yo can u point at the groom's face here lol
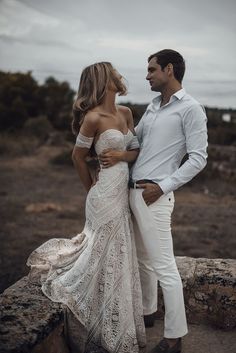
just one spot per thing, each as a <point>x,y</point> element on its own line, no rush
<point>157,77</point>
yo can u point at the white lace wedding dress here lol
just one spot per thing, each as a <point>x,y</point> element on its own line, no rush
<point>95,274</point>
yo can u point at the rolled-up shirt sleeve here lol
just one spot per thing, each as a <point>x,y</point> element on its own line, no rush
<point>195,131</point>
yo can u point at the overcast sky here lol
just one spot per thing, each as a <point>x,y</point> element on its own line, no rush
<point>61,37</point>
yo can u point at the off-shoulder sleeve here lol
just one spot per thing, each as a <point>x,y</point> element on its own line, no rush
<point>133,144</point>
<point>84,141</point>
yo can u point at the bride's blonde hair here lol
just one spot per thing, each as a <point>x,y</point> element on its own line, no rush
<point>94,82</point>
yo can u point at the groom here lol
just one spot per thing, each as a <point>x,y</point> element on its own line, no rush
<point>174,124</point>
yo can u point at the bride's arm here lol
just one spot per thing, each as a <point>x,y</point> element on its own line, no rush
<point>79,155</point>
<point>82,147</point>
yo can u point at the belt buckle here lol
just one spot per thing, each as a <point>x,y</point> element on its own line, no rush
<point>135,185</point>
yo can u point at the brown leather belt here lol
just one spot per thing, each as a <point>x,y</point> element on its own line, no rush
<point>133,184</point>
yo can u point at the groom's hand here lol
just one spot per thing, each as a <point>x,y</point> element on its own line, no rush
<point>110,157</point>
<point>151,192</point>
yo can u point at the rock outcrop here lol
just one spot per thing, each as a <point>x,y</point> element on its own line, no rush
<point>30,322</point>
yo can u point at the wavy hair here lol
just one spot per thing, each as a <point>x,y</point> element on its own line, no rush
<point>94,83</point>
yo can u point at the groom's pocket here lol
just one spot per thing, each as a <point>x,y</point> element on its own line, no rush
<point>166,199</point>
<point>141,211</point>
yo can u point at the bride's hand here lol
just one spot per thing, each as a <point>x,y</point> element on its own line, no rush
<point>110,157</point>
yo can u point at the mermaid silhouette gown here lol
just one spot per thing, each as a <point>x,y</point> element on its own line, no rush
<point>95,274</point>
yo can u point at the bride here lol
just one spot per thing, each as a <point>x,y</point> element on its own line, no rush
<point>95,274</point>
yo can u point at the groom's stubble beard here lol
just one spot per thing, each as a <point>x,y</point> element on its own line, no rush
<point>156,88</point>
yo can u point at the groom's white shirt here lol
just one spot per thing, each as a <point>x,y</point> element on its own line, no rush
<point>165,135</point>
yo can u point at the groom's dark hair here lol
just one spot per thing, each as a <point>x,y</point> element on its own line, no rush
<point>169,56</point>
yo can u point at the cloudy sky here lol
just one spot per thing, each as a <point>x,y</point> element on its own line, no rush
<point>61,37</point>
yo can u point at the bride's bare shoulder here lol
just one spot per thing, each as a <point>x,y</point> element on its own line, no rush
<point>91,118</point>
<point>90,123</point>
<point>123,109</point>
<point>126,112</point>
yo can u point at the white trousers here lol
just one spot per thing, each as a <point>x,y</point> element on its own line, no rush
<point>152,228</point>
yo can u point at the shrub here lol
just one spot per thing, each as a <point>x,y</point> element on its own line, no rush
<point>39,127</point>
<point>63,158</point>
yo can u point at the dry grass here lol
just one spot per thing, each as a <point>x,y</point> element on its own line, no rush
<point>17,145</point>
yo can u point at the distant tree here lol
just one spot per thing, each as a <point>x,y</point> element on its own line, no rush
<point>56,102</point>
<point>18,99</point>
<point>22,98</point>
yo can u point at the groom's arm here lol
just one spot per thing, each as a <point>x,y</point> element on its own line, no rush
<point>195,130</point>
<point>109,157</point>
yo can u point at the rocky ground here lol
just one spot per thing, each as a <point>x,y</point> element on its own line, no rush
<point>200,338</point>
<point>40,200</point>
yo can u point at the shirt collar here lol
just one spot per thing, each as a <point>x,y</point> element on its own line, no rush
<point>179,95</point>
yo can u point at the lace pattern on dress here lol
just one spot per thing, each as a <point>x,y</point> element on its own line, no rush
<point>95,274</point>
<point>83,141</point>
